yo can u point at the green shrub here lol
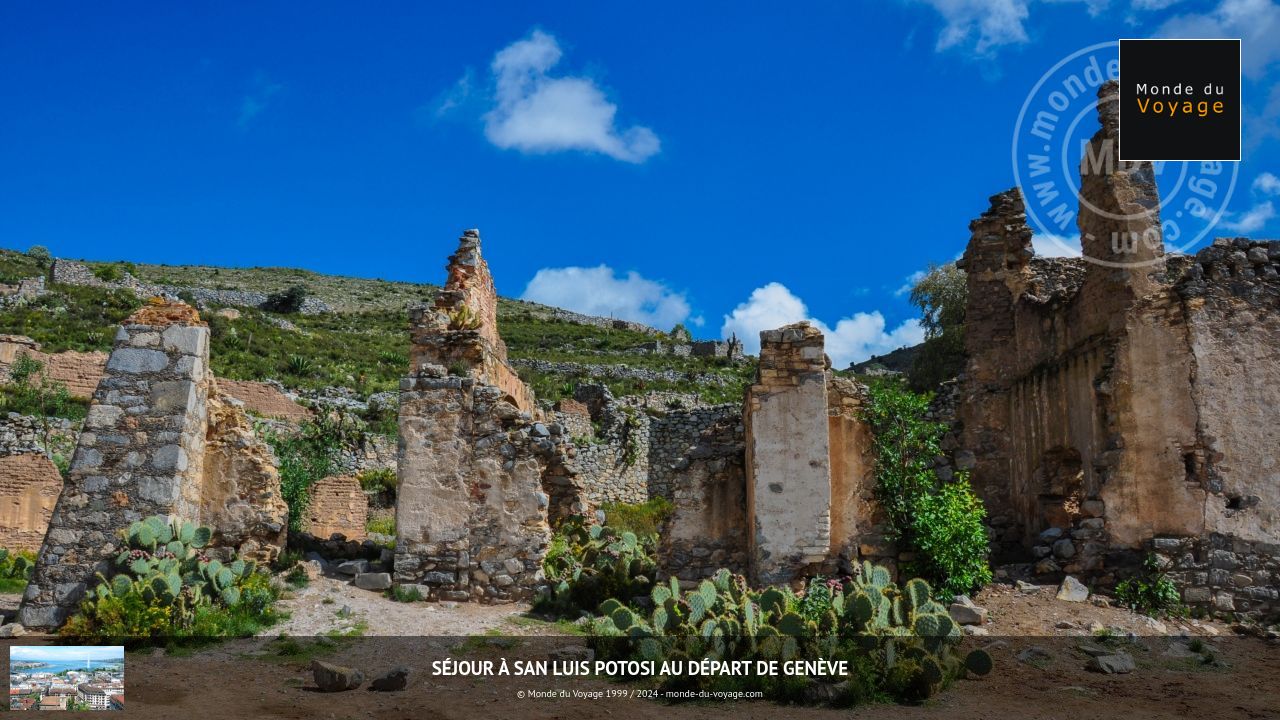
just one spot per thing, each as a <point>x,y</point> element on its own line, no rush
<point>41,255</point>
<point>310,455</point>
<point>107,273</point>
<point>901,642</point>
<point>30,391</point>
<point>378,480</point>
<point>15,569</point>
<point>287,301</point>
<point>587,564</point>
<point>382,525</point>
<point>941,522</point>
<point>164,584</point>
<point>644,519</point>
<point>300,365</point>
<point>400,593</point>
<point>1150,591</point>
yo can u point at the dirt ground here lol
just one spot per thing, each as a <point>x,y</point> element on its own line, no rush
<point>269,678</point>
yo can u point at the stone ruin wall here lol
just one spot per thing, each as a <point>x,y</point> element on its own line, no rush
<point>338,506</point>
<point>478,480</point>
<point>157,440</point>
<point>611,446</point>
<point>1112,410</point>
<point>481,478</point>
<point>461,331</point>
<point>706,530</point>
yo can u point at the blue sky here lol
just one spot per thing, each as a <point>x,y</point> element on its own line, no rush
<point>731,166</point>
<point>66,653</point>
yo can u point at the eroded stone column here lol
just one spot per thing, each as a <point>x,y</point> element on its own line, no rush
<point>140,454</point>
<point>788,455</point>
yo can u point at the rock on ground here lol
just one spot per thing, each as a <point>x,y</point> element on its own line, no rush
<point>335,678</point>
<point>964,612</point>
<point>373,581</point>
<point>393,680</point>
<point>1117,664</point>
<point>1072,590</point>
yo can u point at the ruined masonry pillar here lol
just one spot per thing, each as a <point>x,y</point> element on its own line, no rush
<point>788,456</point>
<point>140,454</point>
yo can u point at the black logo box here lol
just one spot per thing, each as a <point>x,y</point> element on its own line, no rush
<point>1180,63</point>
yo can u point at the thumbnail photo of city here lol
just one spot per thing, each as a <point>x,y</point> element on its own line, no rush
<point>66,677</point>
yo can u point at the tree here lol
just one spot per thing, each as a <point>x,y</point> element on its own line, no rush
<point>41,255</point>
<point>286,301</point>
<point>32,392</point>
<point>941,296</point>
<point>680,333</point>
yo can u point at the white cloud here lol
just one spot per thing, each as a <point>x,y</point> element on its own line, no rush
<point>456,96</point>
<point>853,339</point>
<point>1056,245</point>
<point>600,291</point>
<point>1255,22</point>
<point>1252,220</point>
<point>256,100</point>
<point>534,112</point>
<point>986,24</point>
<point>1256,217</point>
<point>1267,184</point>
<point>910,283</point>
<point>1154,4</point>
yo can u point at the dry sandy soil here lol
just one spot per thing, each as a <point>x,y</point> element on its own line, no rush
<point>255,678</point>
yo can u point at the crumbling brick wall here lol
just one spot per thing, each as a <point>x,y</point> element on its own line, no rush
<point>338,505</point>
<point>29,488</point>
<point>79,371</point>
<point>264,400</point>
<point>460,332</point>
<point>1125,404</point>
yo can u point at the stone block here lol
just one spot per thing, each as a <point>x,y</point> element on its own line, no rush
<point>103,417</point>
<point>136,361</point>
<point>187,339</point>
<point>175,396</point>
<point>373,581</point>
<point>170,458</point>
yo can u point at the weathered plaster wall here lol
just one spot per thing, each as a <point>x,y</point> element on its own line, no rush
<point>858,528</point>
<point>787,455</point>
<point>1126,405</point>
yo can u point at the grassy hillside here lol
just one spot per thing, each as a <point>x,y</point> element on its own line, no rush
<point>364,345</point>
